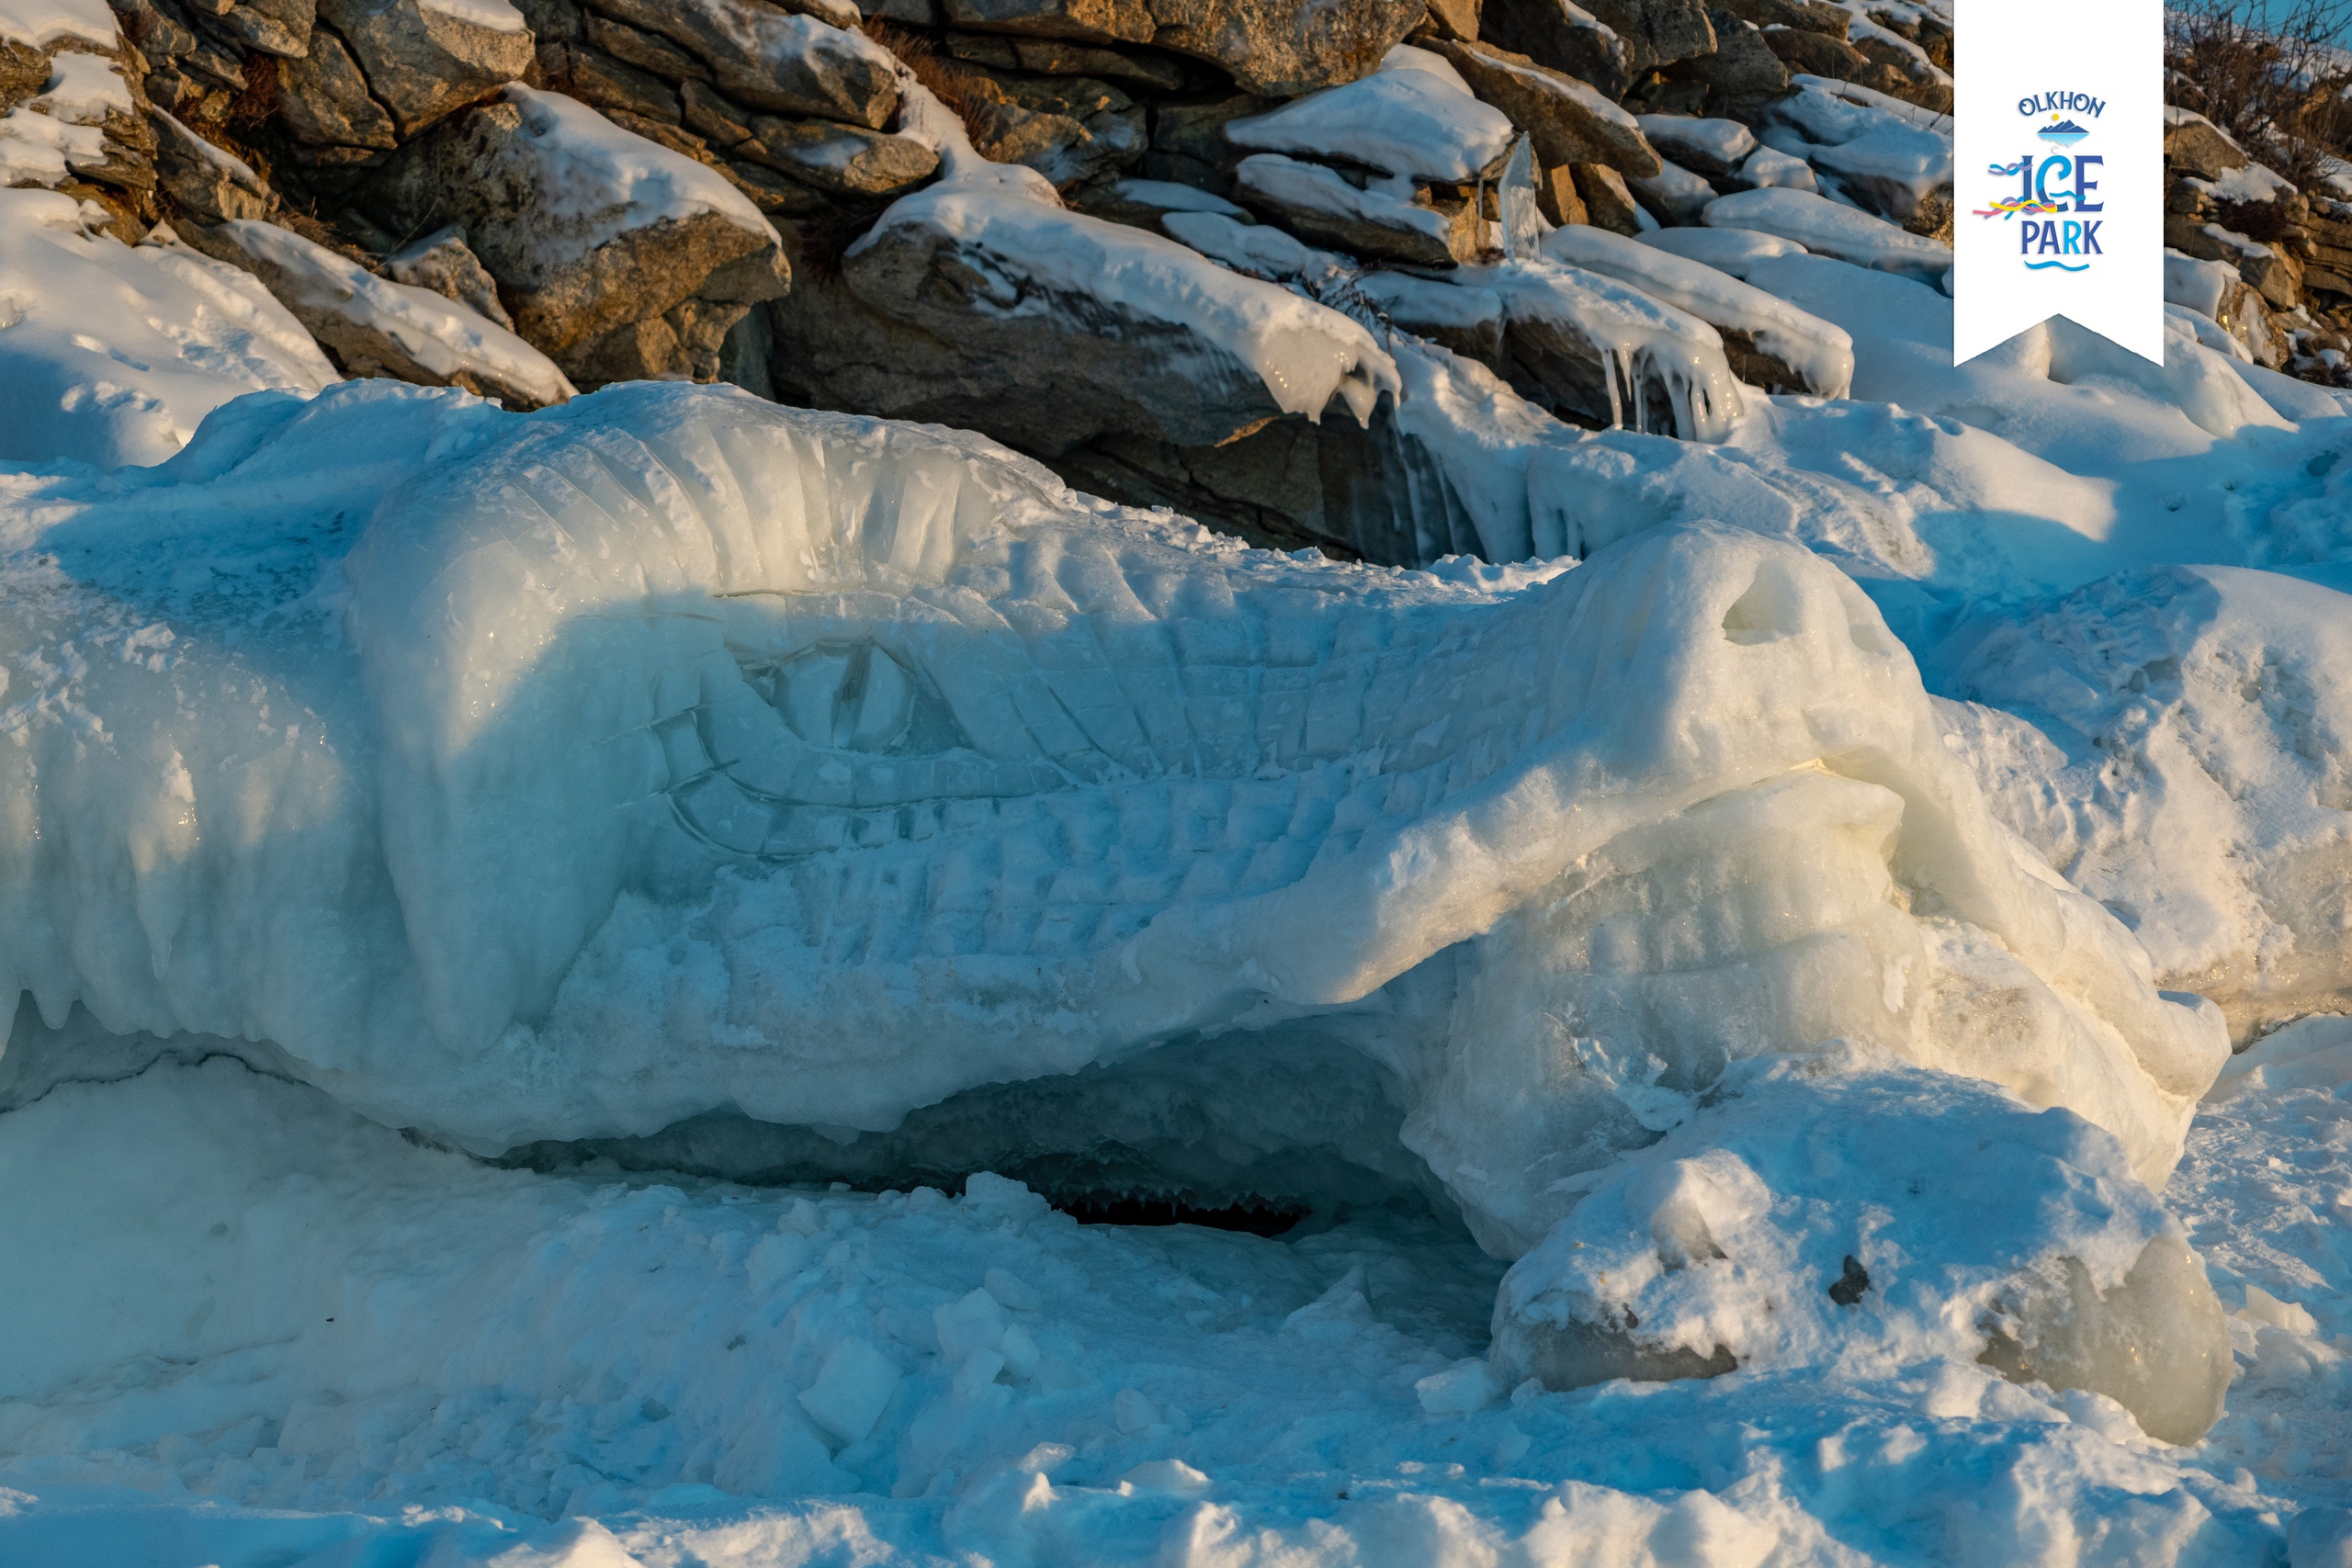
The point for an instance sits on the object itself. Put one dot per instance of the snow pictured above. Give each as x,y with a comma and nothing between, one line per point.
440,335
598,182
1304,355
35,146
1822,355
1413,116
1171,197
2199,285
82,89
1823,225
111,355
1310,188
1726,142
1881,157
1767,169
1732,251
43,23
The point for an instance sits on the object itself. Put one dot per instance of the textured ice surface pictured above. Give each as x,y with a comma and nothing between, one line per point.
851,766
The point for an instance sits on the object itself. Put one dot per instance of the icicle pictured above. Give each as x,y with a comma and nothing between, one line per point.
1609,374
1523,220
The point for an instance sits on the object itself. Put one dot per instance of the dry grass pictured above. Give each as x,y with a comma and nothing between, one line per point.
2270,72
965,91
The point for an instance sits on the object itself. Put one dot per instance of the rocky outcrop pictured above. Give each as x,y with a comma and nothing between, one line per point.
1275,47
424,58
1563,37
617,258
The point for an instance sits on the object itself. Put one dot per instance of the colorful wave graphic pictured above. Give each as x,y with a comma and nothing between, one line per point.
2043,266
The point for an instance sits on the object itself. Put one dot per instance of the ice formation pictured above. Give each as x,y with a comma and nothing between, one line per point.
854,767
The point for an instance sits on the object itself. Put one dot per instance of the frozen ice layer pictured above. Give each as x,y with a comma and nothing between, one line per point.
849,766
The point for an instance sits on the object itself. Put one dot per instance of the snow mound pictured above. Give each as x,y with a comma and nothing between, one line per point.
111,355
1874,1222
853,766
2205,708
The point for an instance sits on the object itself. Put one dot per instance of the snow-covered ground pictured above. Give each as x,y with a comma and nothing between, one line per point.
567,959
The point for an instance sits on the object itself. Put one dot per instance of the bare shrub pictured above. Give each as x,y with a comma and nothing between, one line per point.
2272,74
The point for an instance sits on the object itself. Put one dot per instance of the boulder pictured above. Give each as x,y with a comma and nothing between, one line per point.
282,28
1062,57
445,264
375,327
1069,128
1455,18
1608,203
2194,146
1569,121
1658,32
426,61
203,180
1279,48
1711,147
1674,194
592,232
1189,145
771,60
649,52
1379,222
323,99
1805,16
847,159
1817,54
1563,37
1743,69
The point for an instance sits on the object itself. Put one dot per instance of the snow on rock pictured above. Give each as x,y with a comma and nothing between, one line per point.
1823,225
594,234
1377,221
1891,1219
377,327
82,89
857,658
1414,117
41,23
111,355
1885,160
1769,342
36,149
1709,146
1726,250
2205,708
1193,345
1767,169
426,59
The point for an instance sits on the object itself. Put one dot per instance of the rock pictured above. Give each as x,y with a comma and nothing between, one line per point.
1743,69
1098,21
1658,32
1561,35
1805,16
1568,120
1817,54
423,61
323,99
1556,197
726,124
443,264
591,233
1279,48
1456,19
282,28
24,70
377,328
1710,147
1608,203
1319,205
1068,129
2193,144
202,179
849,159
1189,145
599,79
1674,195
649,52
1060,57
770,60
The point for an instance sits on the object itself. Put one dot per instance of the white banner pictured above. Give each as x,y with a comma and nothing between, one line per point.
2058,200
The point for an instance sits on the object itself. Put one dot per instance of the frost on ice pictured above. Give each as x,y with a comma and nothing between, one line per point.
854,768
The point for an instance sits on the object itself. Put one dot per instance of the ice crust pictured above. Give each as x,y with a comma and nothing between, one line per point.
854,765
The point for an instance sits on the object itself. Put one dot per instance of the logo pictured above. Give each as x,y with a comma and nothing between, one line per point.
2053,189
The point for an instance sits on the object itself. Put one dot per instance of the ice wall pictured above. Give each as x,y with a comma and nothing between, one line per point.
567,774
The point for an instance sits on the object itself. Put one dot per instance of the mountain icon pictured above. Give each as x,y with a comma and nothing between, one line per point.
2064,131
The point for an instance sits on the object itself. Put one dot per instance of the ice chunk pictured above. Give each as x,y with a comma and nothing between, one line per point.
1770,343
1823,225
112,354
1901,1216
852,1390
1414,117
